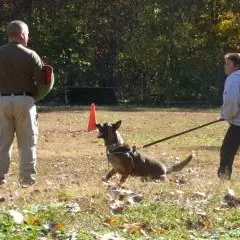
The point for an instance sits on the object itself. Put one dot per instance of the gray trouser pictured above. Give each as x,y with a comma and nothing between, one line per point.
18,115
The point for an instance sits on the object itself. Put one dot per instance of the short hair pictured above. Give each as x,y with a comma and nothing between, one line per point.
15,27
234,57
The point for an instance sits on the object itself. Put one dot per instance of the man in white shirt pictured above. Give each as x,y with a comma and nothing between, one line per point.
231,113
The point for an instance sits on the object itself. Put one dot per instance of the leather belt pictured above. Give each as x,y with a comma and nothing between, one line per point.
17,94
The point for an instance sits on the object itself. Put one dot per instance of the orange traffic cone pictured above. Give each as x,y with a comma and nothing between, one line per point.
92,118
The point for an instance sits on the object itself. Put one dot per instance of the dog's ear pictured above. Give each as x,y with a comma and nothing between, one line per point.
98,126
116,125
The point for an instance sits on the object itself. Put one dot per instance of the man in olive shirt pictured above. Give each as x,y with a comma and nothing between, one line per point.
20,70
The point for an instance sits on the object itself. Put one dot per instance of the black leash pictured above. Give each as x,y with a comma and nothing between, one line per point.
178,134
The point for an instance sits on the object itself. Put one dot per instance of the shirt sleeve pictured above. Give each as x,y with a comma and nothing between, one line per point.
231,98
38,73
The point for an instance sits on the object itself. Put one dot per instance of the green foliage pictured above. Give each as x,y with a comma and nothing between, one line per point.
158,220
149,51
50,222
164,219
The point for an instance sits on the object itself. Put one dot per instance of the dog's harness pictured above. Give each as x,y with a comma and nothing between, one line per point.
114,148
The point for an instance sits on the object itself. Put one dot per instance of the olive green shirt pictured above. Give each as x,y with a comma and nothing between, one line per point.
20,69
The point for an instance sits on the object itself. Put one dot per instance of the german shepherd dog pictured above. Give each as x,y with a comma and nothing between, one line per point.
126,160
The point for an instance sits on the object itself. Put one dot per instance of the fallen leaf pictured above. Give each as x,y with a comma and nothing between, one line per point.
31,220
73,207
207,224
59,226
111,220
17,216
133,227
229,199
53,226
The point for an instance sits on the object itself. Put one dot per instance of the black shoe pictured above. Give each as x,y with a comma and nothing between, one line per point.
2,180
224,174
26,182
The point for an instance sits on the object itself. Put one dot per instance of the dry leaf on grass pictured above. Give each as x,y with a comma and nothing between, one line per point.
137,227
158,230
117,206
52,228
73,207
229,199
207,224
17,216
31,220
133,227
110,220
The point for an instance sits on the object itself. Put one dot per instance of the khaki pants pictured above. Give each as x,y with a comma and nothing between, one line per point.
18,115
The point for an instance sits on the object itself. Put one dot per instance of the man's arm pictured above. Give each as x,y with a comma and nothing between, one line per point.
38,72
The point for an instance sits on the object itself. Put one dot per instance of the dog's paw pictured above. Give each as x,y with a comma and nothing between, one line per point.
144,179
104,180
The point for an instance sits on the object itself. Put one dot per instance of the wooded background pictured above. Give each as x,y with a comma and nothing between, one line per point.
149,51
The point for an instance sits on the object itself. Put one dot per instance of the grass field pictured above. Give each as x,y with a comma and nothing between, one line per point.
69,201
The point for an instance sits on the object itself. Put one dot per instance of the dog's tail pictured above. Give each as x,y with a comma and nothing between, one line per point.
179,166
